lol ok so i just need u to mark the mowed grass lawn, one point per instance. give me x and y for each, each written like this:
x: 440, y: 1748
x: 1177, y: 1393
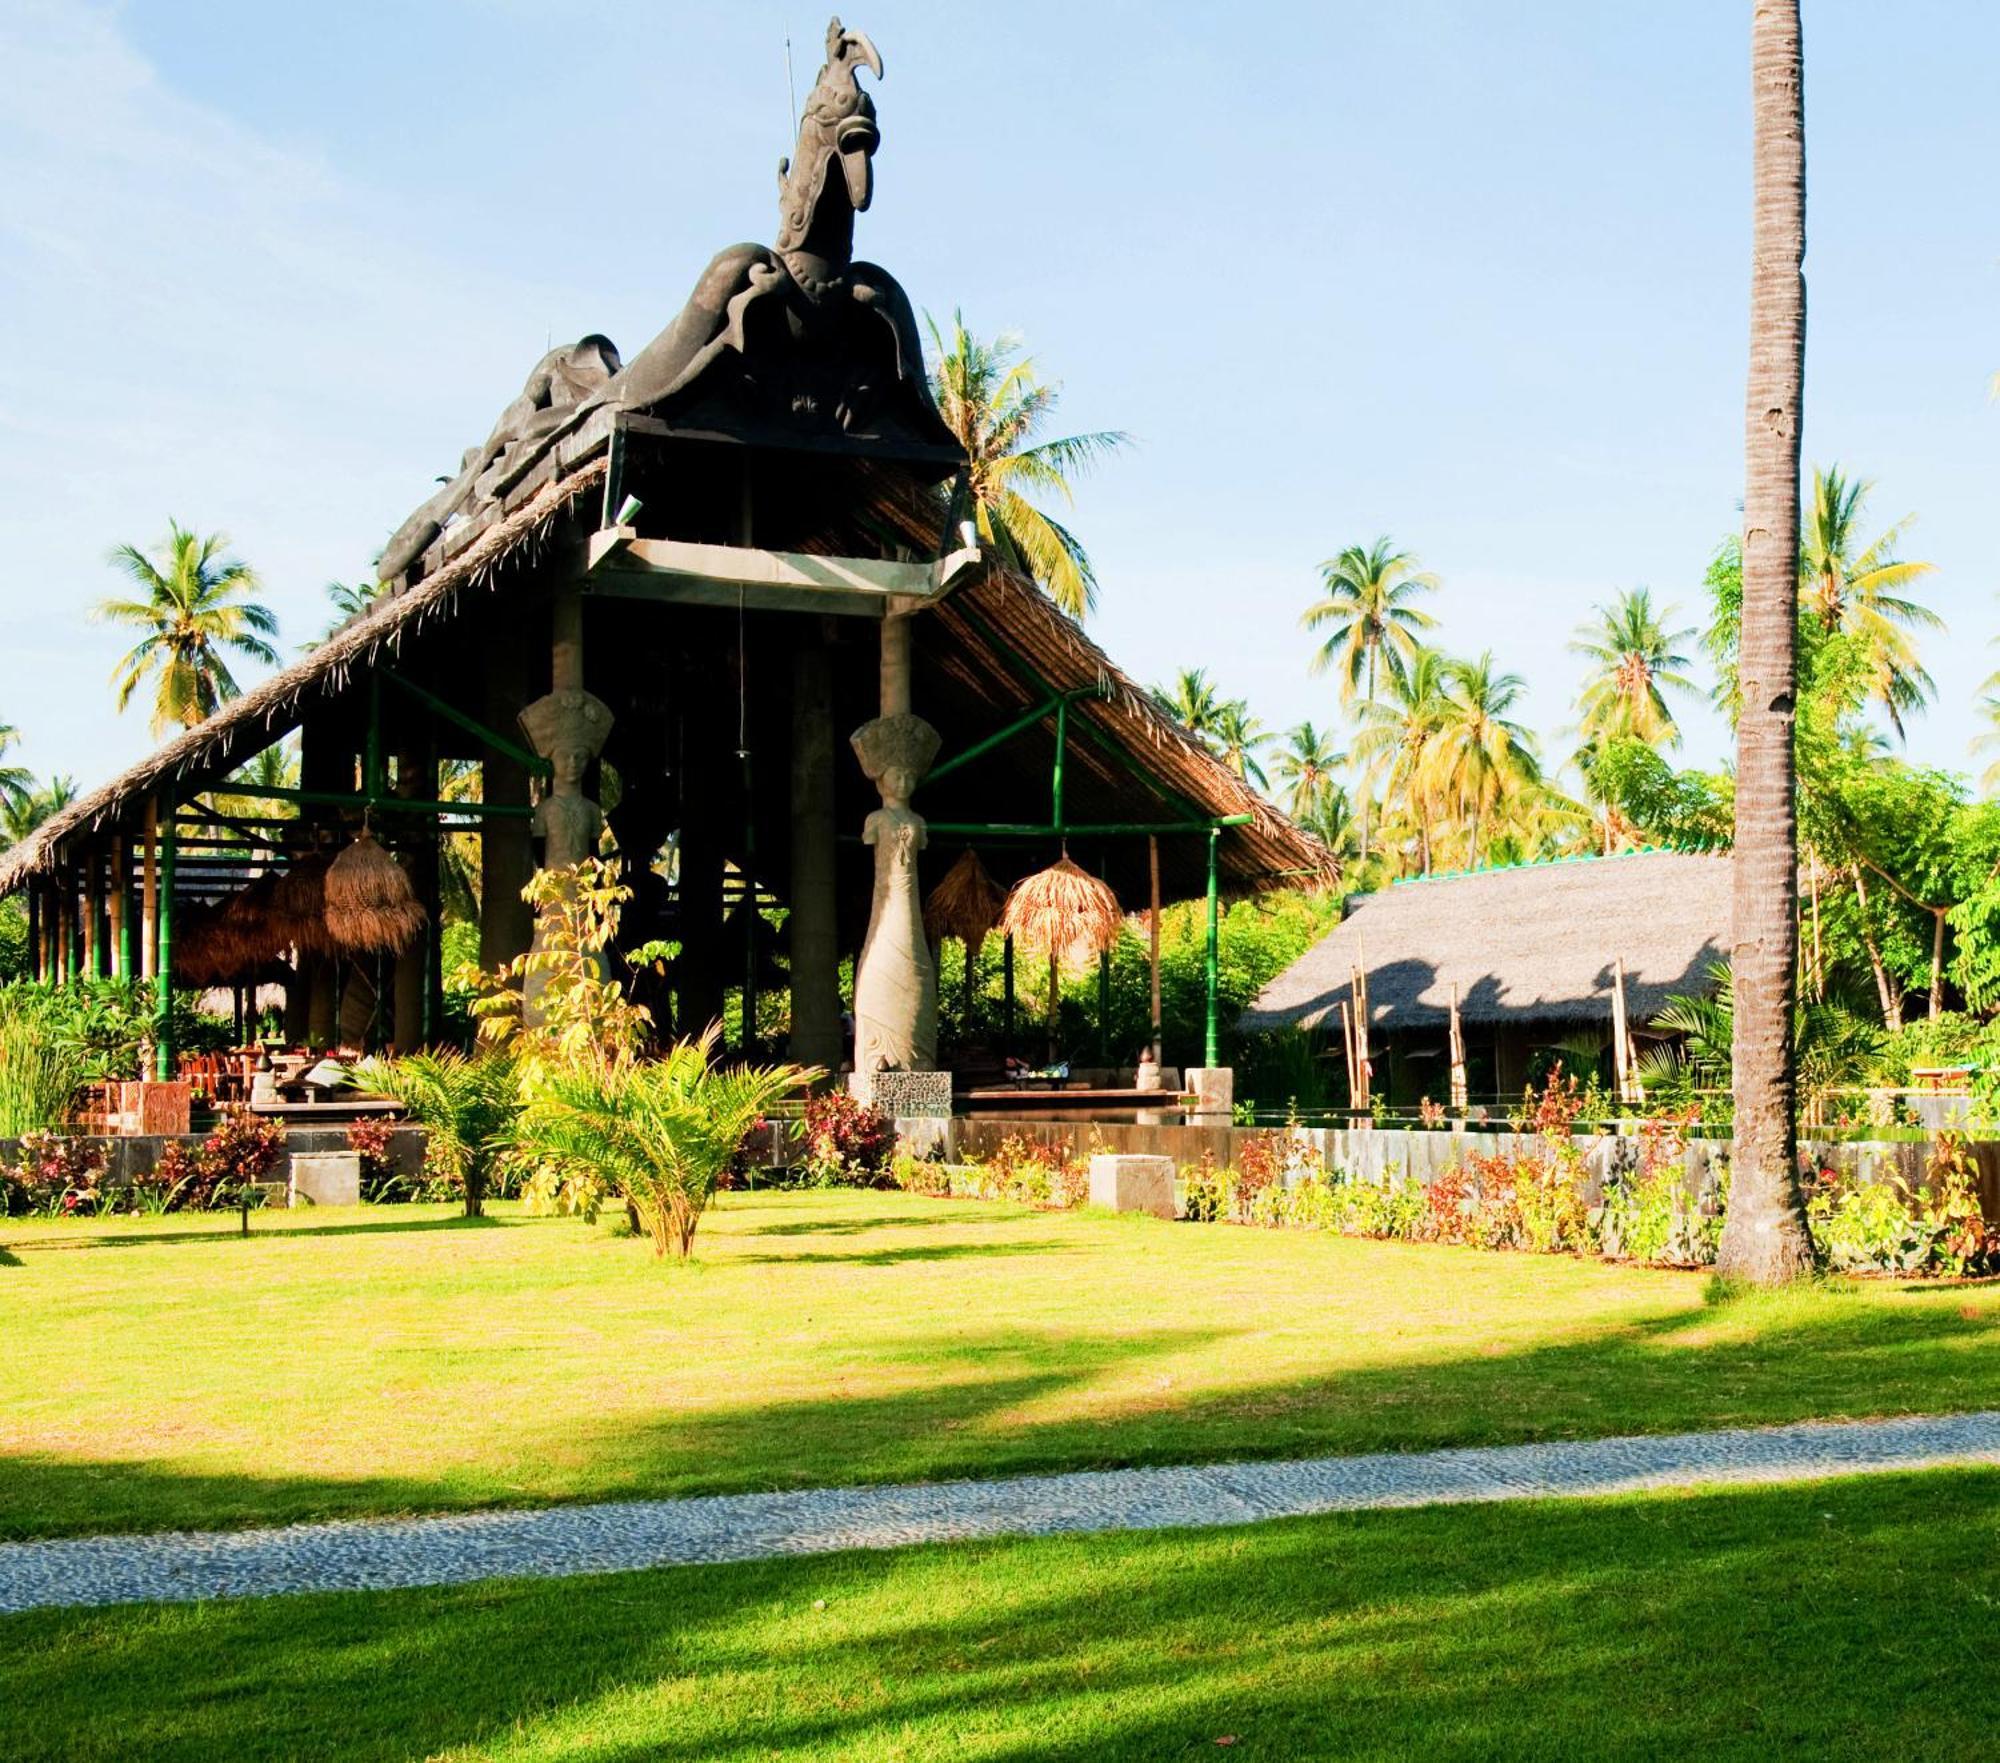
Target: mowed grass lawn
x: 166, y: 1373
x: 1852, y: 1619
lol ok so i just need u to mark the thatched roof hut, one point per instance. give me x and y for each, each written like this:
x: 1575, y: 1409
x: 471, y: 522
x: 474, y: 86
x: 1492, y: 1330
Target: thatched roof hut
x: 1529, y: 945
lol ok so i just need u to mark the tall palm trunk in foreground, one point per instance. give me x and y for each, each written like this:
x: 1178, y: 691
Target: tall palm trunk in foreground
x: 1765, y: 1239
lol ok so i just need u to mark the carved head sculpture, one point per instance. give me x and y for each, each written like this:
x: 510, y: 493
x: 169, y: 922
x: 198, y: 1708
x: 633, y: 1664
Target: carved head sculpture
x: 895, y: 752
x: 836, y: 129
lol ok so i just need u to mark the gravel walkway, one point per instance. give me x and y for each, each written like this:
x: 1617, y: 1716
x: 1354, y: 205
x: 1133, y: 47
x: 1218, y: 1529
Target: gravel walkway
x: 556, y: 1541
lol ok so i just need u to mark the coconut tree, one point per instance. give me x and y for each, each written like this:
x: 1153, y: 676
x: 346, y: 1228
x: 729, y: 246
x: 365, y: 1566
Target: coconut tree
x: 194, y: 613
x: 992, y: 399
x: 1193, y: 703
x: 1372, y: 623
x: 17, y: 783
x: 1397, y: 744
x: 1239, y: 738
x: 1635, y: 660
x: 1765, y: 1237
x: 20, y: 815
x: 1306, y: 768
x: 1859, y: 588
x: 1484, y: 757
x: 348, y: 600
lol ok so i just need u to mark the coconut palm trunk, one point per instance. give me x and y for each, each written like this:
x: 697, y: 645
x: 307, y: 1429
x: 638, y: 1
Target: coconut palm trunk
x: 1765, y: 1239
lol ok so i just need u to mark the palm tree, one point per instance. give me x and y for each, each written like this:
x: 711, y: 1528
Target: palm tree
x: 1397, y: 745
x: 1635, y: 661
x: 1192, y: 702
x: 17, y: 783
x: 1484, y: 758
x: 1765, y: 1237
x: 991, y: 399
x: 1306, y: 768
x: 349, y: 600
x: 1988, y: 741
x: 1369, y: 605
x: 193, y: 612
x: 1857, y: 588
x: 659, y: 1132
x: 469, y: 1109
x: 1239, y: 737
x: 20, y: 815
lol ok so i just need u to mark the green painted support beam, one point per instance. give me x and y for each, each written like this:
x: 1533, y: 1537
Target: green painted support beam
x: 1092, y: 829
x: 979, y: 749
x: 1056, y: 777
x: 1212, y: 1040
x: 533, y: 763
x: 163, y: 962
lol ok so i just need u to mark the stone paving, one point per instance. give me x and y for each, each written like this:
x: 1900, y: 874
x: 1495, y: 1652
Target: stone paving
x: 556, y: 1541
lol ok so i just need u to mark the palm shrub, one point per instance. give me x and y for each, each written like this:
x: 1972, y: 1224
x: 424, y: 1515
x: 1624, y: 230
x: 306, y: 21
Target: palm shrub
x: 469, y: 1108
x: 660, y: 1131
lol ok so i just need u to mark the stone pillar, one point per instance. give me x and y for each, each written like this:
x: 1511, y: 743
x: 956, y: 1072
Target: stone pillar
x: 506, y: 854
x: 417, y: 777
x: 698, y: 971
x: 811, y: 926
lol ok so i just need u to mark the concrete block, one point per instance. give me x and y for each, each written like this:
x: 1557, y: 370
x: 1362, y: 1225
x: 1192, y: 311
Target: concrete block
x: 1133, y: 1183
x: 326, y: 1178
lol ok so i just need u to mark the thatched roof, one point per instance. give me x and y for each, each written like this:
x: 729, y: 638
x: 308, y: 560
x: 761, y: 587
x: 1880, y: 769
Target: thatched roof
x: 995, y: 646
x: 1535, y: 943
x: 246, y: 725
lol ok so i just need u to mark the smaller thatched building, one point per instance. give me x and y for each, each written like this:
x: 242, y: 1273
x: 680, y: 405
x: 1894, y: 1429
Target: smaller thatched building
x: 1533, y: 952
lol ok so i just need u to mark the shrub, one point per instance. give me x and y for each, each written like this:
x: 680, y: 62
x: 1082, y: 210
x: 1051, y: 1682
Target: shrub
x: 468, y: 1106
x: 370, y: 1139
x: 847, y: 1141
x: 1889, y: 1227
x: 1208, y: 1193
x: 58, y: 1175
x: 39, y: 1069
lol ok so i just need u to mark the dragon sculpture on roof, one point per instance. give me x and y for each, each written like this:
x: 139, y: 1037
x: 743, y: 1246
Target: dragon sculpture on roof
x: 796, y: 339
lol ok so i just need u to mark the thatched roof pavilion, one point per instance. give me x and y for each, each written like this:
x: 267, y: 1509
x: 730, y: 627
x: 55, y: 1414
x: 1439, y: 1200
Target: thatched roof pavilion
x: 698, y: 569
x: 1532, y: 950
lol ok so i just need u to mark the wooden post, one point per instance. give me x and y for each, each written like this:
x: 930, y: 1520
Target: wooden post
x: 1460, y: 1091
x: 812, y: 929
x: 1347, y: 1049
x: 1618, y: 1028
x: 1006, y: 997
x: 121, y: 909
x: 163, y: 988
x: 1358, y: 984
x: 93, y: 914
x: 1153, y: 936
x: 34, y: 894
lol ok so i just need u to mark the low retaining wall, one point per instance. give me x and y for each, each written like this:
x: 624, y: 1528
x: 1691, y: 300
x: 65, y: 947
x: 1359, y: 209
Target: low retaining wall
x: 1377, y: 1152
x: 131, y: 1156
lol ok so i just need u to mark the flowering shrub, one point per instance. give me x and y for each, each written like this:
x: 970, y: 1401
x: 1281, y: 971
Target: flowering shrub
x: 1017, y: 1169
x: 1890, y: 1227
x: 370, y: 1139
x: 58, y: 1176
x: 848, y: 1142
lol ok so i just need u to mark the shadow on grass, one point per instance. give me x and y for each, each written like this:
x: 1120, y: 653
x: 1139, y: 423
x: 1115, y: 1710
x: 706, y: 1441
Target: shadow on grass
x: 910, y: 1252
x: 861, y: 1226
x: 1740, y: 1624
x: 150, y: 1238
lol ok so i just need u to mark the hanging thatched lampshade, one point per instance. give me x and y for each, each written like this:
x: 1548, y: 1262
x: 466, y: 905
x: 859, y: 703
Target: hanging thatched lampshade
x: 965, y: 904
x: 297, y: 918
x: 370, y: 907
x: 1065, y: 911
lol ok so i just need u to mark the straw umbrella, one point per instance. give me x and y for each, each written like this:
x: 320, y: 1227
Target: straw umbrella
x: 370, y: 906
x: 966, y: 904
x: 1066, y: 912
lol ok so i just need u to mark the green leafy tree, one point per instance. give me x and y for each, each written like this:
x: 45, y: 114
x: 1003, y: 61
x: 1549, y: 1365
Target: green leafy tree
x: 992, y: 399
x: 469, y: 1107
x: 195, y: 612
x: 660, y: 1131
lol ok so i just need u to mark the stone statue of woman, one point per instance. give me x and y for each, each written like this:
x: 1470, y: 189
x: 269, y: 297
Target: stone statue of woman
x: 895, y: 983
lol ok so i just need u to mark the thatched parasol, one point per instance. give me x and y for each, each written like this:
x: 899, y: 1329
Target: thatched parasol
x: 370, y: 906
x: 966, y: 904
x: 1064, y: 910
x: 297, y: 917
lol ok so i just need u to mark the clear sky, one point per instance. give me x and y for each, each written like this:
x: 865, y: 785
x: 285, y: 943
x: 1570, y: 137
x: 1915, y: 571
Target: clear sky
x: 1472, y: 274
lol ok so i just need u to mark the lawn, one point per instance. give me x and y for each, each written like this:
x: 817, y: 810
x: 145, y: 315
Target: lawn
x: 1847, y: 1619
x: 166, y: 1373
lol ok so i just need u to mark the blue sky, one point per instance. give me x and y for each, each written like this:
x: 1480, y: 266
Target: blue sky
x: 1469, y: 274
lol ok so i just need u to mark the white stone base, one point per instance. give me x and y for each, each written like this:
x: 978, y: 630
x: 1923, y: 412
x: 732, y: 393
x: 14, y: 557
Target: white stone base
x: 1212, y: 1090
x: 1133, y: 1184
x: 326, y: 1178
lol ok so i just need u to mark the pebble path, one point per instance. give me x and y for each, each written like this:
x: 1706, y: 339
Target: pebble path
x: 551, y: 1542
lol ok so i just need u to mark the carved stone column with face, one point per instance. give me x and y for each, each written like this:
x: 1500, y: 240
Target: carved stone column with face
x: 568, y: 728
x: 895, y: 982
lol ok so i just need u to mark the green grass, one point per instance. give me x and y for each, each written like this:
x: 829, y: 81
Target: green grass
x: 165, y: 1373
x: 1850, y: 1619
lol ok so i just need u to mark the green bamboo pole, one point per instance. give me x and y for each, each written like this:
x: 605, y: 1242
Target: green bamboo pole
x: 1056, y: 778
x: 1212, y: 1048
x: 163, y: 966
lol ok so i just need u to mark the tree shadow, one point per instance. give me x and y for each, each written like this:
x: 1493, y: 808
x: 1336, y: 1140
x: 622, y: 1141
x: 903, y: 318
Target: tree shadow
x: 151, y: 1238
x: 910, y: 1252
x: 854, y: 1227
x: 1744, y: 1623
